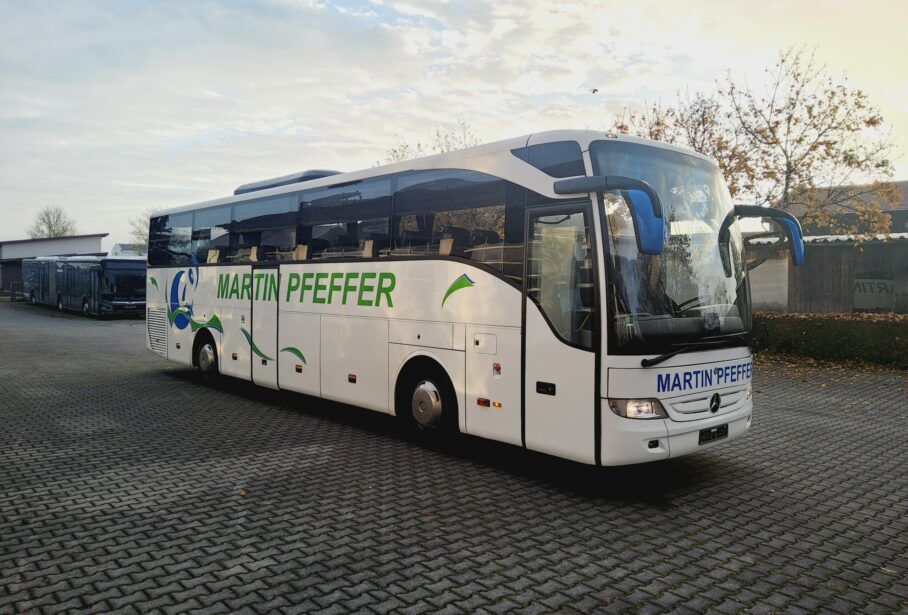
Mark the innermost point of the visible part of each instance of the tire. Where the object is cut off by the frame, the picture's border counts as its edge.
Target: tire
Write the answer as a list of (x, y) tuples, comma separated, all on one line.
[(205, 357), (425, 399)]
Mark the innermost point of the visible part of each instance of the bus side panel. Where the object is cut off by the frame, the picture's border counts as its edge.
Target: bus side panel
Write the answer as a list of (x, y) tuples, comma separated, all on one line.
[(493, 374), (355, 361), (179, 346), (220, 298), (235, 352), (299, 353)]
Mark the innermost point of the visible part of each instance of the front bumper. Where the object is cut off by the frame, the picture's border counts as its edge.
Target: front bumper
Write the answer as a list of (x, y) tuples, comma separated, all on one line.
[(628, 441), (136, 308)]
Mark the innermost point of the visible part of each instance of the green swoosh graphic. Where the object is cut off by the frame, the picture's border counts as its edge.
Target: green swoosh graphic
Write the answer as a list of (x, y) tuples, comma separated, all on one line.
[(154, 282), (252, 345), (462, 282), (213, 323), (172, 315), (295, 352)]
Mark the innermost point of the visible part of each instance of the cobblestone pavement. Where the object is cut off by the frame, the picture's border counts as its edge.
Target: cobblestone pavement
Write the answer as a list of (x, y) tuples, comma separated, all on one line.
[(126, 484)]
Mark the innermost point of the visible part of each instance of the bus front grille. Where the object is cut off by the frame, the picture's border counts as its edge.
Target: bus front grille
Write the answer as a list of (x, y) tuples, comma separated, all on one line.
[(156, 327)]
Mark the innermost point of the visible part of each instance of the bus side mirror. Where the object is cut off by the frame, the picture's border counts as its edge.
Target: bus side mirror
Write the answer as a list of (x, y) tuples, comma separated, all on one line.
[(642, 200), (789, 224), (649, 228)]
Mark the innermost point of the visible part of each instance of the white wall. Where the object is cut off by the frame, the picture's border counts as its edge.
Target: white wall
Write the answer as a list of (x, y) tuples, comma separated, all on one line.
[(51, 247)]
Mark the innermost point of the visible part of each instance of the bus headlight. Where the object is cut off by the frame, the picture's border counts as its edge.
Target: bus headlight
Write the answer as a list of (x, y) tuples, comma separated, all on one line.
[(749, 392), (638, 408)]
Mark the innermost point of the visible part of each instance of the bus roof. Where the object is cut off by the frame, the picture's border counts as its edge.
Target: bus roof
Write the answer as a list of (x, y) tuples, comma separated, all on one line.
[(98, 259), (484, 158)]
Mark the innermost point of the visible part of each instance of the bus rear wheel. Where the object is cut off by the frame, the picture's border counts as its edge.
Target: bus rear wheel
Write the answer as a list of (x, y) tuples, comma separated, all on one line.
[(426, 401), (206, 356)]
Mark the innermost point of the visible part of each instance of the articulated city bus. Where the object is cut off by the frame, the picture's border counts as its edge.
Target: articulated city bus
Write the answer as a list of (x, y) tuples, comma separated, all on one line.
[(571, 292), (95, 286)]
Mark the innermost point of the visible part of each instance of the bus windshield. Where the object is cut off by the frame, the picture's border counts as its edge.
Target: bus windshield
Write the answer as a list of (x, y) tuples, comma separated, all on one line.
[(122, 281), (682, 295)]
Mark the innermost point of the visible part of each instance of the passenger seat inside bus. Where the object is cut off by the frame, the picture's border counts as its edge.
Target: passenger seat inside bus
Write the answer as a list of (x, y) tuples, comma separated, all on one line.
[(455, 240), (481, 236)]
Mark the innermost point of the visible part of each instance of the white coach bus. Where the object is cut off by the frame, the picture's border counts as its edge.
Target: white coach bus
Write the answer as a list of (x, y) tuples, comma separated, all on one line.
[(572, 292)]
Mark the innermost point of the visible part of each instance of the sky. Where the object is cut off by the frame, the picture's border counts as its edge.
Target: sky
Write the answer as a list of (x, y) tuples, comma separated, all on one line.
[(111, 108)]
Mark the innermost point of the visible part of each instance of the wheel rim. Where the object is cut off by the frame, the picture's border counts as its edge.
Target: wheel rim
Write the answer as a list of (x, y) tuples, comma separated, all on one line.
[(206, 358), (426, 405)]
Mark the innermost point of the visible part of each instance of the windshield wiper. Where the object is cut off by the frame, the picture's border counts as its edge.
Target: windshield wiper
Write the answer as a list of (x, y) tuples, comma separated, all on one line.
[(704, 343)]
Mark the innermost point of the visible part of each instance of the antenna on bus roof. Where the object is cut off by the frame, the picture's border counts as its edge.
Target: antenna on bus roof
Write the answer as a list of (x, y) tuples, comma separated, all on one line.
[(293, 178)]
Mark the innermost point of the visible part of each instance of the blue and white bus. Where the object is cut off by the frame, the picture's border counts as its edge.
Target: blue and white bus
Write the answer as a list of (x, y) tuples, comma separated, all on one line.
[(576, 293)]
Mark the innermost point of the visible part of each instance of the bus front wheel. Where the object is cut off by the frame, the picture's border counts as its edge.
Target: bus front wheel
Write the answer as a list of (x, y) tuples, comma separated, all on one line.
[(425, 398), (206, 356)]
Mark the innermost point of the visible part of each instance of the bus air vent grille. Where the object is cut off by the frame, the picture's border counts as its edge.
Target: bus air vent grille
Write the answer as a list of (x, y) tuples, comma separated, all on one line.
[(156, 326)]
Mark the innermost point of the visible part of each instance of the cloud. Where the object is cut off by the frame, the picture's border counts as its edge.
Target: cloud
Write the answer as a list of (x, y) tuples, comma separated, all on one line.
[(110, 108)]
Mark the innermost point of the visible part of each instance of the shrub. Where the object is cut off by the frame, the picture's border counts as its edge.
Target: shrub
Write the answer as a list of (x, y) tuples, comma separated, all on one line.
[(873, 338)]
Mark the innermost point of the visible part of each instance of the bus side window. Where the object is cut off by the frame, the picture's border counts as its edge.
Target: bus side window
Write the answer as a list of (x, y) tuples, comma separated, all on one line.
[(263, 230), (463, 214), (210, 234), (349, 221), (170, 239)]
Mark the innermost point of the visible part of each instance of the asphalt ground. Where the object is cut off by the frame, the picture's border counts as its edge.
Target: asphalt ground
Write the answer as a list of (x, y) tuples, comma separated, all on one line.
[(128, 485)]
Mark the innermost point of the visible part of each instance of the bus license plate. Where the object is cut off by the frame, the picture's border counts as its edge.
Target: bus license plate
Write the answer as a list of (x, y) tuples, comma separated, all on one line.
[(713, 433)]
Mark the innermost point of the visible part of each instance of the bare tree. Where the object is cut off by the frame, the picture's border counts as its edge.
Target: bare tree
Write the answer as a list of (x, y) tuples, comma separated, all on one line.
[(443, 139), (806, 143), (51, 221), (138, 225), (654, 121), (817, 146)]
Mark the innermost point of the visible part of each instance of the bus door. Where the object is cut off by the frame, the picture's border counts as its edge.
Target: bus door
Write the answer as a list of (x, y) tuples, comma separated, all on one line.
[(263, 337), (560, 333), (69, 286)]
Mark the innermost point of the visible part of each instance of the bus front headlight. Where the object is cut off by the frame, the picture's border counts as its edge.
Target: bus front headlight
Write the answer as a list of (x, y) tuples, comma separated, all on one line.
[(638, 408)]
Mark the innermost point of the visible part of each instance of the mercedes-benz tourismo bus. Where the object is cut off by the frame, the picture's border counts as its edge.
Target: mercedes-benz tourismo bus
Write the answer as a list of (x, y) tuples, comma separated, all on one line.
[(572, 292)]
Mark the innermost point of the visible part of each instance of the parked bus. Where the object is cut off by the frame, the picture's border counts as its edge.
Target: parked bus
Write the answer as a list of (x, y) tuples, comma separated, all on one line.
[(98, 286), (572, 292), (39, 279)]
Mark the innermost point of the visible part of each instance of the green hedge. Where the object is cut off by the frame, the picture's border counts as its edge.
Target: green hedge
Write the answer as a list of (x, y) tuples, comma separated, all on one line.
[(873, 338)]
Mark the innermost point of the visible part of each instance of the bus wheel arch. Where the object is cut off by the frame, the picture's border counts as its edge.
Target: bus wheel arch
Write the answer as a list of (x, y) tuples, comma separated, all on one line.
[(205, 354), (424, 395)]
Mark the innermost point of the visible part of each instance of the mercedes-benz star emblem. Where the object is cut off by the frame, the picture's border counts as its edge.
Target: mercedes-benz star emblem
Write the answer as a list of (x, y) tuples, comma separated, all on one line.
[(715, 402)]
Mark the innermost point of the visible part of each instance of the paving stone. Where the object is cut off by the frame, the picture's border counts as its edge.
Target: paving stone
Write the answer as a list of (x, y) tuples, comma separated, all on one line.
[(128, 485)]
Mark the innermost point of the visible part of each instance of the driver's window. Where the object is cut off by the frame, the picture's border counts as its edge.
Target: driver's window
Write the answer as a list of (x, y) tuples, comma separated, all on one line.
[(560, 274)]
